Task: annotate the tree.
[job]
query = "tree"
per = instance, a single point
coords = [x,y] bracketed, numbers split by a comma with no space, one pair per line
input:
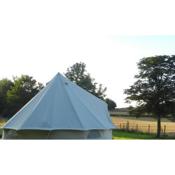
[111,104]
[78,74]
[154,90]
[5,86]
[24,88]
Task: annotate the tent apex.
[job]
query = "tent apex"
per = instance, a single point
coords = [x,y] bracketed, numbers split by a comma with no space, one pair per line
[58,73]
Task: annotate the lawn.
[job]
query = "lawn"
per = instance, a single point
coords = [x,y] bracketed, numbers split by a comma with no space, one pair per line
[124,135]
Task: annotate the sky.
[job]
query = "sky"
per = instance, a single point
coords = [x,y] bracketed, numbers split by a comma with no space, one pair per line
[41,38]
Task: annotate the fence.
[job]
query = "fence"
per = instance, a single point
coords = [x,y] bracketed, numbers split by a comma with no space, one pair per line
[147,128]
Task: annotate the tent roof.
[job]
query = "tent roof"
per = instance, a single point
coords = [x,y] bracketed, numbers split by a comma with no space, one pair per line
[62,105]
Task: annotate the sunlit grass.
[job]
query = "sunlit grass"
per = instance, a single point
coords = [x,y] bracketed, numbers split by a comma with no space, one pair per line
[124,135]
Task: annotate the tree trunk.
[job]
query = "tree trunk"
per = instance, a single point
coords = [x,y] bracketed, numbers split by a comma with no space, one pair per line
[158,126]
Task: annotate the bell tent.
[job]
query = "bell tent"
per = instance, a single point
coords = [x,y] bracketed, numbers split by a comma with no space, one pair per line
[61,110]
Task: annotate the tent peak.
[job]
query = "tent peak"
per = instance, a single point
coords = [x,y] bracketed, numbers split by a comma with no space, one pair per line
[58,74]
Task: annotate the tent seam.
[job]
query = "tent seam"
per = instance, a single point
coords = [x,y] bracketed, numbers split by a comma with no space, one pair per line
[71,102]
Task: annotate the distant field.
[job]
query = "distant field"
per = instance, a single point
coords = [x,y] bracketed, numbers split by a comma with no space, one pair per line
[147,125]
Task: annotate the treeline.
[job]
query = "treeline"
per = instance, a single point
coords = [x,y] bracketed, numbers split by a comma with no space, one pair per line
[14,94]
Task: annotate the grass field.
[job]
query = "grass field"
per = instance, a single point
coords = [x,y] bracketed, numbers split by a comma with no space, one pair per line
[123,135]
[146,125]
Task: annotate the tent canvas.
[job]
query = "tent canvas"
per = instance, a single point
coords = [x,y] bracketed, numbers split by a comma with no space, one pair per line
[61,110]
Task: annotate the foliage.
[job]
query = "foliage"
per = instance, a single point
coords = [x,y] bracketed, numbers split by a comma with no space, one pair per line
[78,74]
[111,104]
[5,86]
[22,90]
[154,89]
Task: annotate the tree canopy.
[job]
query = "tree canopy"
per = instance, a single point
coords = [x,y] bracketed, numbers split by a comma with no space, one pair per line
[5,86]
[78,74]
[154,89]
[17,93]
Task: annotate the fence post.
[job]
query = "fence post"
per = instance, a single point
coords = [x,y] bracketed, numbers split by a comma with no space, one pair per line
[136,127]
[164,130]
[123,126]
[149,128]
[127,126]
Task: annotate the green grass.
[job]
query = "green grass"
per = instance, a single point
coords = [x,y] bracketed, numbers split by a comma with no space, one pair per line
[124,135]
[129,135]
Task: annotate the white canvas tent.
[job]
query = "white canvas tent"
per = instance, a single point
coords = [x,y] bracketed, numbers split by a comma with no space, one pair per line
[61,110]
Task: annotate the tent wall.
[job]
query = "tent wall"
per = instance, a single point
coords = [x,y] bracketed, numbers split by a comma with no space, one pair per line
[58,134]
